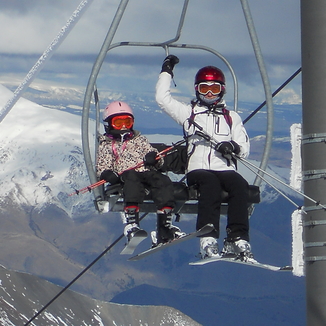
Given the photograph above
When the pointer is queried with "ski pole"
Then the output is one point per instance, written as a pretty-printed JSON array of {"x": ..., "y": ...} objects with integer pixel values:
[
  {"x": 213, "y": 141},
  {"x": 202, "y": 132},
  {"x": 247, "y": 163},
  {"x": 270, "y": 184},
  {"x": 88, "y": 188},
  {"x": 159, "y": 155}
]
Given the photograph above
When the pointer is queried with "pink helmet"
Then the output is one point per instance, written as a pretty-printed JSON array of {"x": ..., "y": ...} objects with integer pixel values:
[{"x": 116, "y": 108}]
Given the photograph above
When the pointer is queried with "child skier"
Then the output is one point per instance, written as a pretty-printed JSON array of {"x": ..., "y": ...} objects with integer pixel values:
[{"x": 120, "y": 149}]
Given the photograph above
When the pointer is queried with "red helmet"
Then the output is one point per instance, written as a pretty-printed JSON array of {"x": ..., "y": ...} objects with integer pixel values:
[{"x": 209, "y": 73}]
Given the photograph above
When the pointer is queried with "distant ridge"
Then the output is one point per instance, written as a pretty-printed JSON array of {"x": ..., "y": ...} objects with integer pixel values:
[{"x": 22, "y": 294}]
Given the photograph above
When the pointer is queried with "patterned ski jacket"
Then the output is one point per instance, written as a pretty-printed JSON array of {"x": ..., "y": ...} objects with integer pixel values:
[
  {"x": 201, "y": 154},
  {"x": 119, "y": 156}
]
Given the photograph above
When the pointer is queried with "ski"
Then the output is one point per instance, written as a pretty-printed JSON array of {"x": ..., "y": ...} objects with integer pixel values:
[
  {"x": 237, "y": 260},
  {"x": 130, "y": 247},
  {"x": 204, "y": 230}
]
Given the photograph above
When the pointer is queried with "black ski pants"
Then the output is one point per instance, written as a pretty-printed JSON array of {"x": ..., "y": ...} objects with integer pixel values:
[
  {"x": 210, "y": 184},
  {"x": 160, "y": 186}
]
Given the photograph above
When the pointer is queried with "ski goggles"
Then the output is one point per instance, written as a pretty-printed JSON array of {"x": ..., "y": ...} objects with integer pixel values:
[
  {"x": 213, "y": 87},
  {"x": 120, "y": 121}
]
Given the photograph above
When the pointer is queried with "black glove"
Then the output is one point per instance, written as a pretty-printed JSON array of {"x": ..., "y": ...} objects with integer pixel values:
[
  {"x": 168, "y": 64},
  {"x": 227, "y": 147},
  {"x": 150, "y": 159},
  {"x": 110, "y": 176}
]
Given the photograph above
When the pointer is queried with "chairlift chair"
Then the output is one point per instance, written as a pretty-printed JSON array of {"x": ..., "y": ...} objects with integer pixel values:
[{"x": 110, "y": 198}]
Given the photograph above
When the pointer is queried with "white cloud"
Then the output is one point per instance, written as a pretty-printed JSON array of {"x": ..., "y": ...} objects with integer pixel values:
[
  {"x": 289, "y": 96},
  {"x": 217, "y": 24}
]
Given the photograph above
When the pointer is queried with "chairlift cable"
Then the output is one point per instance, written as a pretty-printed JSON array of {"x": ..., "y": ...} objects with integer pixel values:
[
  {"x": 273, "y": 95},
  {"x": 47, "y": 54}
]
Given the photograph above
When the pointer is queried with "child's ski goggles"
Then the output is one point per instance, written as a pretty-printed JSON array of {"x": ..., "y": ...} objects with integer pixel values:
[
  {"x": 120, "y": 121},
  {"x": 213, "y": 87}
]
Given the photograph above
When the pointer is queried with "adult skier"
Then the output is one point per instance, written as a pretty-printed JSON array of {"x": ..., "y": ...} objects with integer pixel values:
[
  {"x": 212, "y": 168},
  {"x": 120, "y": 149}
]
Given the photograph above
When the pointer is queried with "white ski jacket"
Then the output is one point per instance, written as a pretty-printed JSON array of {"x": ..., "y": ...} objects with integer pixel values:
[{"x": 201, "y": 155}]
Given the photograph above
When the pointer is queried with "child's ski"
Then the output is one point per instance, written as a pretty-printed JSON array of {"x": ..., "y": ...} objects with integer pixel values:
[{"x": 204, "y": 230}]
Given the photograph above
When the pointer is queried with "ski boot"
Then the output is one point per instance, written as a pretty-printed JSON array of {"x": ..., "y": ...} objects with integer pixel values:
[
  {"x": 132, "y": 222},
  {"x": 237, "y": 247},
  {"x": 165, "y": 230},
  {"x": 208, "y": 247}
]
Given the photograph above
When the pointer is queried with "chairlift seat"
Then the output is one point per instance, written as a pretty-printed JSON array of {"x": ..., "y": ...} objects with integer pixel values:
[{"x": 185, "y": 196}]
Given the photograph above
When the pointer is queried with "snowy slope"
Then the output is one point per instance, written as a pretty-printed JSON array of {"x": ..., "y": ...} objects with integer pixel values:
[{"x": 41, "y": 157}]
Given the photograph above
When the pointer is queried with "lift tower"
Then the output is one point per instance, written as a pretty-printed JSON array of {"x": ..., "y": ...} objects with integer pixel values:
[{"x": 313, "y": 43}]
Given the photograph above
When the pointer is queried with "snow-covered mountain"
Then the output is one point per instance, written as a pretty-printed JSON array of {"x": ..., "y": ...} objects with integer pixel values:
[
  {"x": 41, "y": 157},
  {"x": 48, "y": 233}
]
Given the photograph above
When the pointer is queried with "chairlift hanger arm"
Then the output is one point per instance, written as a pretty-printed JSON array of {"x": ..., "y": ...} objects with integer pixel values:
[
  {"x": 266, "y": 84},
  {"x": 181, "y": 21}
]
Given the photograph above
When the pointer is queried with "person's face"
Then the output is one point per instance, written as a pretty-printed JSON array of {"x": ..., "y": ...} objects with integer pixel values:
[{"x": 210, "y": 95}]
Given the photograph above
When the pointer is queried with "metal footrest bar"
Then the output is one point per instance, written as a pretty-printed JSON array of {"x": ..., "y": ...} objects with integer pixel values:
[
  {"x": 314, "y": 174},
  {"x": 314, "y": 208},
  {"x": 315, "y": 244},
  {"x": 314, "y": 223},
  {"x": 314, "y": 138},
  {"x": 315, "y": 258}
]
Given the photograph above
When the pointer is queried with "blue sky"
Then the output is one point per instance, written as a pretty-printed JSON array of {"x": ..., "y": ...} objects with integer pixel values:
[{"x": 28, "y": 27}]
